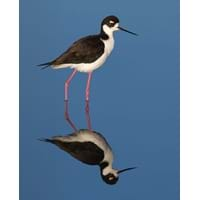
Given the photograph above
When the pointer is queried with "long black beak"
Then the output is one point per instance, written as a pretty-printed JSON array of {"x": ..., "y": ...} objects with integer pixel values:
[
  {"x": 122, "y": 29},
  {"x": 123, "y": 170}
]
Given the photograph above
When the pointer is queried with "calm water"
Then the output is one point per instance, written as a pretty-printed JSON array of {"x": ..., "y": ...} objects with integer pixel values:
[{"x": 134, "y": 100}]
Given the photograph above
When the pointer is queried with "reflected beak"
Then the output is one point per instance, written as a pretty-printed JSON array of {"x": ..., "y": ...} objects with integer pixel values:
[
  {"x": 123, "y": 170},
  {"x": 122, "y": 29}
]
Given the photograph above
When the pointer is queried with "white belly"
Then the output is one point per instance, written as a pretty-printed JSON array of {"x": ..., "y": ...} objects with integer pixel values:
[{"x": 84, "y": 67}]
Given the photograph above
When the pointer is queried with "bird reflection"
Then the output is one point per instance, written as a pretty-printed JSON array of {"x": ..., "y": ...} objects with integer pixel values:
[
  {"x": 87, "y": 115},
  {"x": 67, "y": 116},
  {"x": 90, "y": 147}
]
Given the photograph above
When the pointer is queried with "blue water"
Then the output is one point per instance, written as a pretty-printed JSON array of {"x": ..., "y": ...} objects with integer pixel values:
[{"x": 134, "y": 100}]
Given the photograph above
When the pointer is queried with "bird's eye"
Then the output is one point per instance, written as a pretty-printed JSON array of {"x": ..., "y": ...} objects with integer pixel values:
[
  {"x": 111, "y": 22},
  {"x": 110, "y": 179}
]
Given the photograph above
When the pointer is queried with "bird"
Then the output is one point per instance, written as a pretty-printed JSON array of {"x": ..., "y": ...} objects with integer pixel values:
[
  {"x": 86, "y": 55},
  {"x": 91, "y": 149}
]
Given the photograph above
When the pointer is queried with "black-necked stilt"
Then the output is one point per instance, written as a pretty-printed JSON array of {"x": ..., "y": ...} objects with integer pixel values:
[
  {"x": 86, "y": 55},
  {"x": 90, "y": 148}
]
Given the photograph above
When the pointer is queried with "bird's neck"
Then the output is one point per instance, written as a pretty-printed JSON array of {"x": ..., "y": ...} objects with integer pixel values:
[
  {"x": 103, "y": 165},
  {"x": 106, "y": 33},
  {"x": 106, "y": 168},
  {"x": 104, "y": 36}
]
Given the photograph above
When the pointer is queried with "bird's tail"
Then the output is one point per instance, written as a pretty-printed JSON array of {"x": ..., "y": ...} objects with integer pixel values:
[
  {"x": 46, "y": 140},
  {"x": 44, "y": 65}
]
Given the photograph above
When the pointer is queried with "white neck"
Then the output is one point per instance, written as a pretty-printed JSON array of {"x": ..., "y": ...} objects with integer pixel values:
[
  {"x": 109, "y": 43},
  {"x": 108, "y": 30},
  {"x": 108, "y": 170}
]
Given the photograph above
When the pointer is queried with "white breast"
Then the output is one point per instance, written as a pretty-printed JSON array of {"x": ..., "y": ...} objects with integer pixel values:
[{"x": 109, "y": 45}]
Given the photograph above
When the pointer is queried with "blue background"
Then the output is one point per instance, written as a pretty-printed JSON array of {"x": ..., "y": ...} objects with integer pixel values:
[{"x": 134, "y": 99}]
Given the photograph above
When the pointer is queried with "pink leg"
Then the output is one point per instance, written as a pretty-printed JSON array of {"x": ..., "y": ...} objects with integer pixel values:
[
  {"x": 67, "y": 83},
  {"x": 87, "y": 91},
  {"x": 87, "y": 95}
]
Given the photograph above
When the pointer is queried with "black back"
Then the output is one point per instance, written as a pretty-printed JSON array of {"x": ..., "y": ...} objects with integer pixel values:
[
  {"x": 87, "y": 152},
  {"x": 85, "y": 50}
]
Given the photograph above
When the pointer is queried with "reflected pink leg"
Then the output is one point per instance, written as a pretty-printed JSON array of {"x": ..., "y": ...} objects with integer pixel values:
[
  {"x": 87, "y": 112},
  {"x": 87, "y": 106},
  {"x": 67, "y": 83}
]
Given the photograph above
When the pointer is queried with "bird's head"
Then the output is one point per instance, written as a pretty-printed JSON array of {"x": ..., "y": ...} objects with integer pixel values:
[
  {"x": 110, "y": 178},
  {"x": 110, "y": 175},
  {"x": 111, "y": 24}
]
